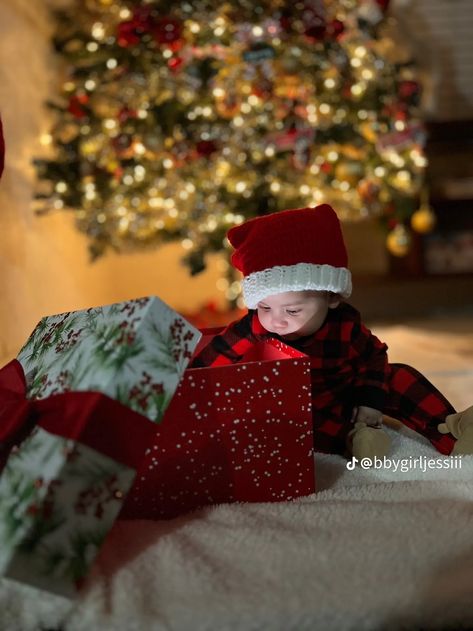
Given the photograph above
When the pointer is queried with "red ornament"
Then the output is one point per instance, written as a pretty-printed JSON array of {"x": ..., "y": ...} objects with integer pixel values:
[
  {"x": 126, "y": 113},
  {"x": 146, "y": 21},
  {"x": 118, "y": 173},
  {"x": 75, "y": 105},
  {"x": 145, "y": 15},
  {"x": 346, "y": 91},
  {"x": 175, "y": 46},
  {"x": 206, "y": 147},
  {"x": 408, "y": 89},
  {"x": 123, "y": 145},
  {"x": 401, "y": 113},
  {"x": 383, "y": 4},
  {"x": 129, "y": 33},
  {"x": 313, "y": 18},
  {"x": 285, "y": 23},
  {"x": 316, "y": 32},
  {"x": 262, "y": 88},
  {"x": 175, "y": 64},
  {"x": 167, "y": 31},
  {"x": 335, "y": 29}
]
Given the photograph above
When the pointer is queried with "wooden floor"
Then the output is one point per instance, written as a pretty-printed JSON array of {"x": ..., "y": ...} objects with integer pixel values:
[{"x": 441, "y": 347}]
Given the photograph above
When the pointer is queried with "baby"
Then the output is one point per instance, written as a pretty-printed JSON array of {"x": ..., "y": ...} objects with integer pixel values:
[{"x": 296, "y": 278}]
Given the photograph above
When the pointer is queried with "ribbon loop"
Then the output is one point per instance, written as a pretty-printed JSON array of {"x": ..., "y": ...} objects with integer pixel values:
[{"x": 17, "y": 417}]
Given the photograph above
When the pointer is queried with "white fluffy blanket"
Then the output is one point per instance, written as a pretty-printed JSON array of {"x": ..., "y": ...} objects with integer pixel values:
[{"x": 371, "y": 550}]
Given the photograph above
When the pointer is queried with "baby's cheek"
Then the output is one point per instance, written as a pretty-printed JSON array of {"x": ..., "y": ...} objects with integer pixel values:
[
  {"x": 306, "y": 319},
  {"x": 263, "y": 317}
]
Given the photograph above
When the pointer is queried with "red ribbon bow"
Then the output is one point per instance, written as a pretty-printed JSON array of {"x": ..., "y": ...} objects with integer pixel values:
[{"x": 90, "y": 418}]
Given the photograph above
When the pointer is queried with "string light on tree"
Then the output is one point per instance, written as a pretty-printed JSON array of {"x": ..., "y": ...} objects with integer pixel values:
[{"x": 175, "y": 121}]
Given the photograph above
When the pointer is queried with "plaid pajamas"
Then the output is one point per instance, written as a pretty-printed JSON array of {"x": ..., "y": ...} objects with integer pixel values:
[{"x": 349, "y": 367}]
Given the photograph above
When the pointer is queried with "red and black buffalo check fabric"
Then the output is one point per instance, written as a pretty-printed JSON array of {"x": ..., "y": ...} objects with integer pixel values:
[{"x": 349, "y": 367}]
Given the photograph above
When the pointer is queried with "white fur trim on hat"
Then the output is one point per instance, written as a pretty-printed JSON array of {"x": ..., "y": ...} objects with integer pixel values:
[{"x": 299, "y": 277}]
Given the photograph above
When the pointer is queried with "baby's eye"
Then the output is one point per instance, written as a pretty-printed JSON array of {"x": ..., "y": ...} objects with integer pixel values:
[
  {"x": 263, "y": 308},
  {"x": 294, "y": 312}
]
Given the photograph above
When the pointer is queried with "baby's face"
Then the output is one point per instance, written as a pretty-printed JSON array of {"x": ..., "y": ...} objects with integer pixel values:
[{"x": 294, "y": 314}]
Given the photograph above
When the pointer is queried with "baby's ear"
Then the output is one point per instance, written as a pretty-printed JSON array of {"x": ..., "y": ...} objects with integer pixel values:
[{"x": 333, "y": 300}]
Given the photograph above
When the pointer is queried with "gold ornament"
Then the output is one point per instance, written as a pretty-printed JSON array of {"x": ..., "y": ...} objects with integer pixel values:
[
  {"x": 368, "y": 190},
  {"x": 398, "y": 241},
  {"x": 97, "y": 5},
  {"x": 170, "y": 222},
  {"x": 424, "y": 219},
  {"x": 90, "y": 146},
  {"x": 354, "y": 153},
  {"x": 228, "y": 107},
  {"x": 66, "y": 132},
  {"x": 222, "y": 168},
  {"x": 111, "y": 165},
  {"x": 105, "y": 106},
  {"x": 384, "y": 195},
  {"x": 368, "y": 131},
  {"x": 287, "y": 86},
  {"x": 349, "y": 171},
  {"x": 403, "y": 181}
]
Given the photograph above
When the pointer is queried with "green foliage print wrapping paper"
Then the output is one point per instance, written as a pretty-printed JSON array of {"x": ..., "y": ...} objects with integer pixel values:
[
  {"x": 58, "y": 500},
  {"x": 135, "y": 352},
  {"x": 58, "y": 497}
]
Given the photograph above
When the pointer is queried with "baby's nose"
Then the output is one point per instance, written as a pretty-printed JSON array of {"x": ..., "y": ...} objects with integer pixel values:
[{"x": 279, "y": 320}]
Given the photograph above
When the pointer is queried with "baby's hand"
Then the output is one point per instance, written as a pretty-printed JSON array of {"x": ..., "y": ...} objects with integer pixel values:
[{"x": 370, "y": 416}]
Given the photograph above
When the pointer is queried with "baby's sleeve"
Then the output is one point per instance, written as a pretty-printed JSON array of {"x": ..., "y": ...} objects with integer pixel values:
[
  {"x": 370, "y": 360},
  {"x": 228, "y": 347}
]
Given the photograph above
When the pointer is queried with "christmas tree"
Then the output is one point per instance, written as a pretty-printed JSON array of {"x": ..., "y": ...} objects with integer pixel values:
[{"x": 176, "y": 121}]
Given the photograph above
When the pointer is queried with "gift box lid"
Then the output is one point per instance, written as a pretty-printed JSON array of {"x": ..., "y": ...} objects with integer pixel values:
[
  {"x": 134, "y": 351},
  {"x": 264, "y": 350}
]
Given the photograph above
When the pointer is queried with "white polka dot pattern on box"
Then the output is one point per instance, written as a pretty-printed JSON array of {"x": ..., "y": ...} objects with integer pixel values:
[{"x": 237, "y": 433}]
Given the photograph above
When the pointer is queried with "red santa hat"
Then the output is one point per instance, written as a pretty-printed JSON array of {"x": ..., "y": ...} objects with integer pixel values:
[{"x": 291, "y": 250}]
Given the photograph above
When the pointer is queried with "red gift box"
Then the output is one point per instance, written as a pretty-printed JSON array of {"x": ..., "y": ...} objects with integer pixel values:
[{"x": 235, "y": 433}]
